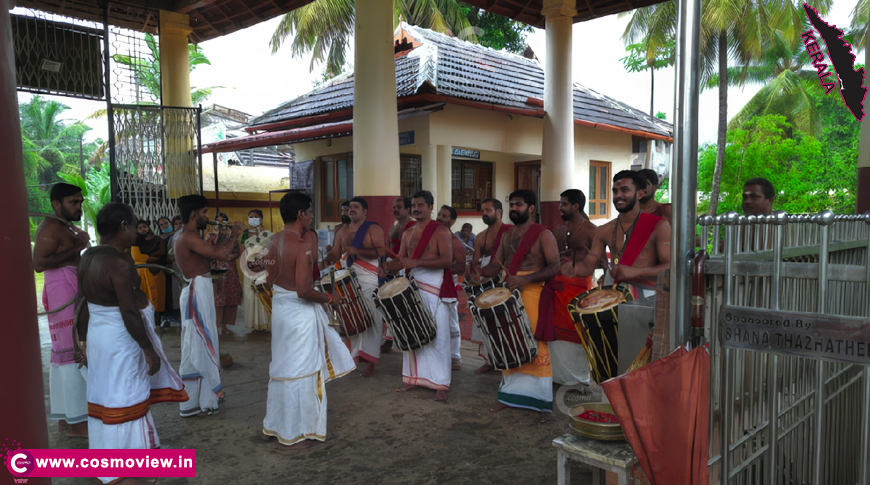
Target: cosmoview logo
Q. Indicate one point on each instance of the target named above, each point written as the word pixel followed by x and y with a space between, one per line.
pixel 573 394
pixel 20 463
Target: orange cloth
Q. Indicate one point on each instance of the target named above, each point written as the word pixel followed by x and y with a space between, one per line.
pixel 572 287
pixel 153 286
pixel 540 367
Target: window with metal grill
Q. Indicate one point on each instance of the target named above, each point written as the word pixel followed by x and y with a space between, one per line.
pixel 411 178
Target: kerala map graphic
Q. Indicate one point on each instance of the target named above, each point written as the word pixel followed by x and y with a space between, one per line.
pixel 851 81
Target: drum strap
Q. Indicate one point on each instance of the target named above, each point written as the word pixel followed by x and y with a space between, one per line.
pixel 359 239
pixel 641 233
pixel 526 243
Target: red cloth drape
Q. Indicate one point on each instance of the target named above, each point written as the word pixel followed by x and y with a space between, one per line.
pixel 664 410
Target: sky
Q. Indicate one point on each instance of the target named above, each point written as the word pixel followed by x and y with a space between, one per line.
pixel 253 80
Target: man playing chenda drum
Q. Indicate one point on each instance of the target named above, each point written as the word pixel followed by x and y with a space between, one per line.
pixel 485 246
pixel 306 353
pixel 427 252
pixel 639 242
pixel 533 258
pixel 363 241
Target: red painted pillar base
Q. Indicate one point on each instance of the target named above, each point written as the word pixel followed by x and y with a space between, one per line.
pixel 550 215
pixel 863 190
pixel 381 210
pixel 23 408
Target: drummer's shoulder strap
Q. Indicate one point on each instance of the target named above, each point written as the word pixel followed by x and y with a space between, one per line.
pixel 641 233
pixel 526 244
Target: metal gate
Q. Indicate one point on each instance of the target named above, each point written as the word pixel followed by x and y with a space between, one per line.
pixel 783 418
pixel 155 157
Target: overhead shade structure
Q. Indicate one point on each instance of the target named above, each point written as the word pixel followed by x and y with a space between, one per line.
pixel 664 410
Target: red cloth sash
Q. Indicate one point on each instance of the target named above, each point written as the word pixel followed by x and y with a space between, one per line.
pixel 397 241
pixel 528 240
pixel 641 233
pixel 566 290
pixel 447 288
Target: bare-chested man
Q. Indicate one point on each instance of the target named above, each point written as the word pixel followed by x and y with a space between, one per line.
pixel 402 214
pixel 447 216
pixel 485 246
pixel 200 355
pixel 648 202
pixel 427 251
pixel 57 253
pixel 127 369
pixel 639 242
pixel 532 256
pixel 306 352
pixel 363 241
pixel 345 220
pixel 574 237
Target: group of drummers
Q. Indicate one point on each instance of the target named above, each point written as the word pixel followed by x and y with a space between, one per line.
pixel 528 287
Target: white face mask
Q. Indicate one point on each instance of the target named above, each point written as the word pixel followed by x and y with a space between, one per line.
pixel 254 221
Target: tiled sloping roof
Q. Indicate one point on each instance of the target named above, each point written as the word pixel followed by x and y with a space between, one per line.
pixel 449 66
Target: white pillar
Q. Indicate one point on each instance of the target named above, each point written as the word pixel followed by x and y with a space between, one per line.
pixel 864 150
pixel 557 152
pixel 445 176
pixel 430 170
pixel 375 122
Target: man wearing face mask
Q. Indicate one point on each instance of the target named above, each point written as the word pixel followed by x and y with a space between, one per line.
pixel 639 242
pixel 200 357
pixel 166 229
pixel 532 256
pixel 256 317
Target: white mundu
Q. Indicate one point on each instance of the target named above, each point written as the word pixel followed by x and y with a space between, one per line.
pixel 120 392
pixel 430 365
pixel 306 354
pixel 366 345
pixel 200 351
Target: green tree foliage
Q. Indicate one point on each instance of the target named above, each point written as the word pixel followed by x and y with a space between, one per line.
pixel 323 28
pixel 809 174
pixel 644 56
pixel 497 31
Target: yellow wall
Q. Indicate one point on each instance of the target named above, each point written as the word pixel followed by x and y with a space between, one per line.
pixel 241 213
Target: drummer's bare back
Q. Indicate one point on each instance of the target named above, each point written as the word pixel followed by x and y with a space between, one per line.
pixel 290 251
pixel 542 254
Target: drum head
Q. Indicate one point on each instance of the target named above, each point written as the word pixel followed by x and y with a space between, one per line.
pixel 493 297
pixel 340 274
pixel 393 287
pixel 598 299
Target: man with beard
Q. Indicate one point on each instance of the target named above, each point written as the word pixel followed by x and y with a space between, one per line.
pixel 648 202
pixel 363 241
pixel 533 259
pixel 574 237
pixel 639 243
pixel 447 216
pixel 402 214
pixel 127 369
pixel 200 355
pixel 485 246
pixel 345 220
pixel 57 252
pixel 427 252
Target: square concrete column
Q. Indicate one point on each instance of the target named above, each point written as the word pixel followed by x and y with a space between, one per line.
pixel 375 122
pixel 430 171
pixel 557 152
pixel 864 154
pixel 174 58
pixel 445 176
pixel 23 409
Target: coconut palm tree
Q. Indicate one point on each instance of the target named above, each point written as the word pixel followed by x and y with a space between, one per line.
pixel 739 30
pixel 786 86
pixel 324 27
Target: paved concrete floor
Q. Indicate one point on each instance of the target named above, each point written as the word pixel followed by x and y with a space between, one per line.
pixel 375 434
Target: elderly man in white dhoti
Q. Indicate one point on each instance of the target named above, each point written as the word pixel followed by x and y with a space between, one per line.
pixel 200 352
pixel 364 243
pixel 306 353
pixel 128 371
pixel 426 250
